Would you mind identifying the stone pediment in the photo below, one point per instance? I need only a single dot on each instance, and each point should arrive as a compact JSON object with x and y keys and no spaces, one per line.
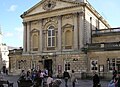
{"x":49,"y":5}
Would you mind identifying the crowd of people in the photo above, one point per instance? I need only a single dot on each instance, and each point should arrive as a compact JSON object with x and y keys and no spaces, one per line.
{"x":38,"y":78}
{"x":42,"y":78}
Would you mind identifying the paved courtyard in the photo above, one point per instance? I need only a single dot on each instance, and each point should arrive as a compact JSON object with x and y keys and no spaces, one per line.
{"x":80,"y":83}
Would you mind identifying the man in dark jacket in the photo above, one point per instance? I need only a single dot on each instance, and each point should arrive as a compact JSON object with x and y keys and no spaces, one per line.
{"x":96,"y":80}
{"x":66,"y":76}
{"x":114,"y":73}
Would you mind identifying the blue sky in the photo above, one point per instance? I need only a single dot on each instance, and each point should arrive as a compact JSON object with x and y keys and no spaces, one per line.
{"x":11,"y":23}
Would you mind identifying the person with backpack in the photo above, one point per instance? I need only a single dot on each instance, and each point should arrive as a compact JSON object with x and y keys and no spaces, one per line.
{"x":66,"y":76}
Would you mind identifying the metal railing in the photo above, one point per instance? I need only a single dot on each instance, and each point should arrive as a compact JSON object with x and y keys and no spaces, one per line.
{"x":104,"y":46}
{"x":105,"y":31}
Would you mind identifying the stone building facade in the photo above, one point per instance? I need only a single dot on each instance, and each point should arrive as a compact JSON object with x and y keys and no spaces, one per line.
{"x":62,"y":34}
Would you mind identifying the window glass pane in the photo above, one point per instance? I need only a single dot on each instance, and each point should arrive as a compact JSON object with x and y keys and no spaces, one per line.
{"x":49,"y":41}
{"x":53,"y":41}
{"x":65,"y":68}
{"x":49,"y":32}
{"x":68,"y":68}
{"x":53,"y":32}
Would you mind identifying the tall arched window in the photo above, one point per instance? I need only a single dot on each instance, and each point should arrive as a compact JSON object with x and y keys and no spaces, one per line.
{"x":35,"y":42}
{"x":51,"y":36}
{"x":68,"y":38}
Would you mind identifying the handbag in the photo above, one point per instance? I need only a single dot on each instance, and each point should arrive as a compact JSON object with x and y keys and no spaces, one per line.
{"x":99,"y":85}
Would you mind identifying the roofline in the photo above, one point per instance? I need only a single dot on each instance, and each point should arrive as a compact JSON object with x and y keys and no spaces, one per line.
{"x":87,"y":4}
{"x":90,"y":7}
{"x":26,"y":12}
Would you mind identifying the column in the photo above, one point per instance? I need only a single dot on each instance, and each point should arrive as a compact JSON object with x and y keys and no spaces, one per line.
{"x":41,"y":36}
{"x":81,"y":30}
{"x":28,"y":37}
{"x":24,"y":37}
{"x":75,"y":32}
{"x":59,"y":33}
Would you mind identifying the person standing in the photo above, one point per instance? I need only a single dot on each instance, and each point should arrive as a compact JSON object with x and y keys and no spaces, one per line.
{"x":73,"y":79}
{"x":49,"y":80}
{"x":117,"y":80}
{"x":96,"y":80}
{"x":46,"y":72}
{"x":114,"y":73}
{"x":66,"y":76}
{"x":23,"y":73}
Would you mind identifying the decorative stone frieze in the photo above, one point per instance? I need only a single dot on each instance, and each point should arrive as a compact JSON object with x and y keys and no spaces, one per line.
{"x":69,"y":16}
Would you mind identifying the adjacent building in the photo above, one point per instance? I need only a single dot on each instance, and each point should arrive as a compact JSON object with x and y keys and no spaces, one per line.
{"x":65,"y":35}
{"x":4,"y":59}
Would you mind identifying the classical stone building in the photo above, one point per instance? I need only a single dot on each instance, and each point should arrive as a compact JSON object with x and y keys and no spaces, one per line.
{"x":64,"y":34}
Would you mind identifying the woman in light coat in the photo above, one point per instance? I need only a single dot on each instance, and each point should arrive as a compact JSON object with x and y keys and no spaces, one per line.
{"x":73,"y":79}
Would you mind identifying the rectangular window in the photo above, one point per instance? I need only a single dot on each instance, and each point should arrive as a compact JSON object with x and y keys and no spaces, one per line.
{"x":67,"y":66}
{"x":19,"y":65}
{"x":114,"y":63}
{"x":111,"y":64}
{"x":97,"y":24}
{"x":94,"y":65}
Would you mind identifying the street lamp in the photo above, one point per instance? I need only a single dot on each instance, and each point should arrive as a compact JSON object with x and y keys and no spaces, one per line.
{"x":32,"y":64}
{"x":108,"y":63}
{"x":43,"y":60}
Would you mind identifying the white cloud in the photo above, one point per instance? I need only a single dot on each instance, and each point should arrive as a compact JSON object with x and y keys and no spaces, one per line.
{"x":19,"y":29}
{"x":19,"y":32}
{"x":8,"y":34}
{"x":12,"y":8}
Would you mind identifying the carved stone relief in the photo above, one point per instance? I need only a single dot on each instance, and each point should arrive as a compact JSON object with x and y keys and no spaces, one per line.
{"x":50,"y":21}
{"x":70,"y":16}
{"x":49,"y":4}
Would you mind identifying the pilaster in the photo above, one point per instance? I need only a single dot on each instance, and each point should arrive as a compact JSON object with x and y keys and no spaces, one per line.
{"x":59,"y":33}
{"x":41,"y":36}
{"x":24,"y":37}
{"x":28,"y":36}
{"x":75,"y":31}
{"x":81,"y":30}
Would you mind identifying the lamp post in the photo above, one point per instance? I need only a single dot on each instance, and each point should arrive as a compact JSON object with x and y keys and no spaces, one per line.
{"x":43,"y":60}
{"x":32,"y":64}
{"x":108,"y":63}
